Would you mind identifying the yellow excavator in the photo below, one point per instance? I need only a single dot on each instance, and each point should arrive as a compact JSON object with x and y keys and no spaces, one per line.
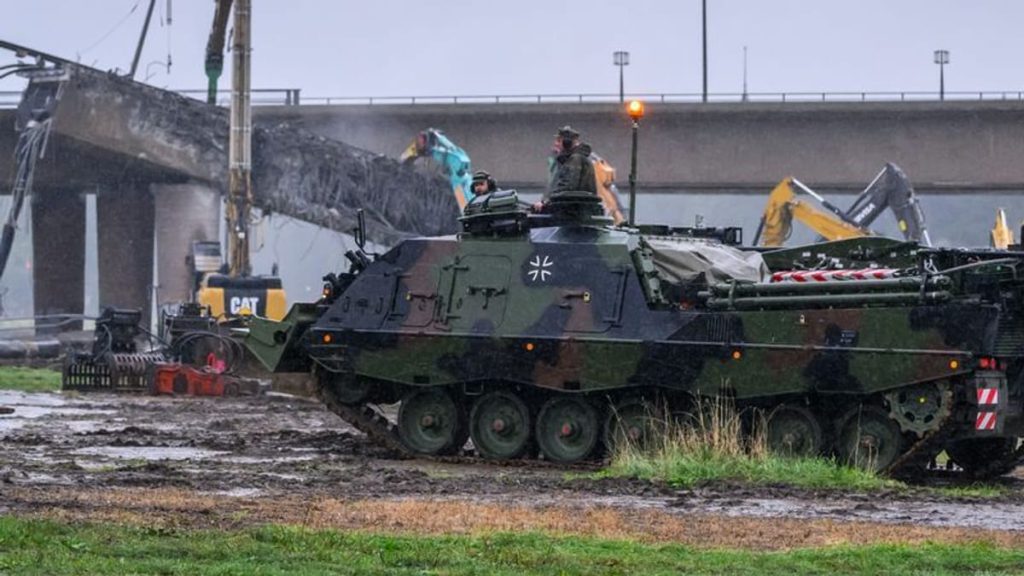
{"x":236,"y":292}
{"x":606,"y":188}
{"x":1001,"y":237}
{"x":890,"y":190}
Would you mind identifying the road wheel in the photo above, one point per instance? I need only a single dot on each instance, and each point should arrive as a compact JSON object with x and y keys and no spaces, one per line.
{"x":500,"y":425}
{"x":429,"y":422}
{"x":794,"y":431}
{"x":869,"y":439}
{"x":567,"y":429}
{"x":633,"y":422}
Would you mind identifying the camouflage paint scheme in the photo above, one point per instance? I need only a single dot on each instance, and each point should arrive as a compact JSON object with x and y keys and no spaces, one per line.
{"x":446,"y":311}
{"x":577,"y":307}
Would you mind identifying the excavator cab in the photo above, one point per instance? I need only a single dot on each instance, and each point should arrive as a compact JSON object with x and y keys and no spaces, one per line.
{"x":226,"y":297}
{"x":432,"y":143}
{"x":231,"y":297}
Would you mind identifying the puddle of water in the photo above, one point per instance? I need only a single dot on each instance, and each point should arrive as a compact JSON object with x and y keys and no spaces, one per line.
{"x":35,"y":478}
{"x":266,"y":459}
{"x":82,"y":426}
{"x":15,"y":398}
{"x":149,"y":452}
{"x":8,"y":424}
{"x":30,"y":411}
{"x":25,"y":413}
{"x":240,"y":492}
{"x":283,"y":476}
{"x":996,"y":516}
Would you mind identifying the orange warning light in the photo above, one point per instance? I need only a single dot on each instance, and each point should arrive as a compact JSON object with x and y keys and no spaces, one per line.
{"x":736,"y":354}
{"x":954,"y":364}
{"x":528,"y":346}
{"x":327,"y":338}
{"x":635,"y":109}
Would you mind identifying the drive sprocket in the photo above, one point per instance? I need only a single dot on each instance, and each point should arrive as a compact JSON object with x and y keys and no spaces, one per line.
{"x":921,"y":408}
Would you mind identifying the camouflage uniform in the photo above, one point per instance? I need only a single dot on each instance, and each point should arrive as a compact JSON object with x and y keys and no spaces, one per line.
{"x":575,"y":171}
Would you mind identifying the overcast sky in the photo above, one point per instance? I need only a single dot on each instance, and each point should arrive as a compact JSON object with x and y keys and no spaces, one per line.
{"x":424,"y":47}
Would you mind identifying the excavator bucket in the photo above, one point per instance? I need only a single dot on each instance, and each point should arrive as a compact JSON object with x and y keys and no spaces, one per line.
{"x":606,"y":189}
{"x":1001,"y":236}
{"x":892,"y":190}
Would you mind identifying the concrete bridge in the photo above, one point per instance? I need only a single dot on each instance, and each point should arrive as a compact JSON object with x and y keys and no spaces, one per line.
{"x":747,"y":146}
{"x":156,"y":163}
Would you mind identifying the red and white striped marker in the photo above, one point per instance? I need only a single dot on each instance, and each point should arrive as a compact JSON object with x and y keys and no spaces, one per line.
{"x":985,"y":421}
{"x":834,"y":275}
{"x":988,"y":396}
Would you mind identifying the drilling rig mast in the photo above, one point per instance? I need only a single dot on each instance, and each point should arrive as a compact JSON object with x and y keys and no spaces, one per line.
{"x":239,"y":204}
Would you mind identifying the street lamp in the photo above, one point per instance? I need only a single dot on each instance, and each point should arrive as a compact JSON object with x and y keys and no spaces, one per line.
{"x":942,"y":58}
{"x":621,"y":59}
{"x":744,"y":73}
{"x":636,"y":112}
{"x":704,"y":46}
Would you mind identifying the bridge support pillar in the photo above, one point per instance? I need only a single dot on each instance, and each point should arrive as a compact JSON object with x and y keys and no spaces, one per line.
{"x":58,"y":257}
{"x":124,"y":234}
{"x":188,"y":212}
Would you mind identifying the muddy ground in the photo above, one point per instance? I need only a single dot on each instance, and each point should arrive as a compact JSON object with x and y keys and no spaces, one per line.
{"x":222,"y":462}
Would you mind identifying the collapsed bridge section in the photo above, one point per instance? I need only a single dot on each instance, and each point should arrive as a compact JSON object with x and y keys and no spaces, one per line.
{"x":157,"y":161}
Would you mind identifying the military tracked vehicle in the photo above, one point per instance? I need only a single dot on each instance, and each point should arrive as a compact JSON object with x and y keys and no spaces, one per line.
{"x":560,"y":333}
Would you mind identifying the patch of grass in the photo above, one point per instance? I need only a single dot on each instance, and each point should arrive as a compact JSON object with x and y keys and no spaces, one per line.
{"x":48,"y":547}
{"x":29,"y":379}
{"x":712,"y":446}
{"x":685,"y":468}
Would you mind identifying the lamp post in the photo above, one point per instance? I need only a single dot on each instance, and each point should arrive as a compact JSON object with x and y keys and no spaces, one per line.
{"x":942,"y":58}
{"x":744,"y":73}
{"x":704,"y":44}
{"x":621,"y":59}
{"x":636,"y":112}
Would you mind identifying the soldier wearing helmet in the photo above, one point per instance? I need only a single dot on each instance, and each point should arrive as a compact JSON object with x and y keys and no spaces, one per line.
{"x":483,"y":183}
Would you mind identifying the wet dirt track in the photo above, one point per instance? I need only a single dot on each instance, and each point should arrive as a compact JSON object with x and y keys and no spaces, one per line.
{"x":235,"y":462}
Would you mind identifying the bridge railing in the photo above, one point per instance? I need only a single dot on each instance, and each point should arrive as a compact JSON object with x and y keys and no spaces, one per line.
{"x":727,"y":97}
{"x":294,"y":97}
{"x":260,"y":97}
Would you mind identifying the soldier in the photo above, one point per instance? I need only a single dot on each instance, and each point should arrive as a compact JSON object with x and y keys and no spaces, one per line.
{"x":483,"y":183}
{"x":572,"y":168}
{"x":575,"y":171}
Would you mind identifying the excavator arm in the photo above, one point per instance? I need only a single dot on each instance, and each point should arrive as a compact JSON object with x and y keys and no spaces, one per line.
{"x":1001,"y":236}
{"x":215,"y":48}
{"x":432,"y":143}
{"x":783,"y":206}
{"x":891,"y":189}
{"x":606,"y":189}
